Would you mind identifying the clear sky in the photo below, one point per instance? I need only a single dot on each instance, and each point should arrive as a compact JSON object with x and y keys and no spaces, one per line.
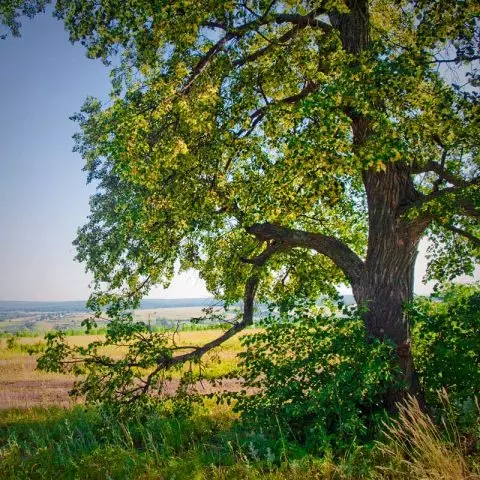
{"x":43,"y":194}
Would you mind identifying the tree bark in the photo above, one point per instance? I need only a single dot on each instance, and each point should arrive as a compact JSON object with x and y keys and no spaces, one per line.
{"x":386,"y":283}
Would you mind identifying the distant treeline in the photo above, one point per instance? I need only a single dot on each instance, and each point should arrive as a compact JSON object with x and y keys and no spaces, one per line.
{"x":15,"y":307}
{"x":79,"y":306}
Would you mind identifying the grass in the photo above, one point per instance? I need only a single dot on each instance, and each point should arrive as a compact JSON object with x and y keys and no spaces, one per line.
{"x":79,"y":443}
{"x":45,"y":441}
{"x":416,"y":447}
{"x":21,"y":385}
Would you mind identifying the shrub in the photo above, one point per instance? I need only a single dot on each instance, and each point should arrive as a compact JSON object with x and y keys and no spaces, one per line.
{"x":315,"y":377}
{"x":446,"y":343}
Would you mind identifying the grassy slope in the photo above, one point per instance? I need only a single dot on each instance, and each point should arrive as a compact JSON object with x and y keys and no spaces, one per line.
{"x":77,"y":443}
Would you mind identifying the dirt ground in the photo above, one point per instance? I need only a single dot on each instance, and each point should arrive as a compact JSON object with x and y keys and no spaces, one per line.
{"x":22,"y":386}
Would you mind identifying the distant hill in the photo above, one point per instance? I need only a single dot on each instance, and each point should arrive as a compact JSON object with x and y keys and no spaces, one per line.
{"x":79,"y":306}
{"x":39,"y":317}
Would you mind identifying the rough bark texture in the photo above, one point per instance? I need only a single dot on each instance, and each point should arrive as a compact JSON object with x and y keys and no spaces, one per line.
{"x":386,"y":282}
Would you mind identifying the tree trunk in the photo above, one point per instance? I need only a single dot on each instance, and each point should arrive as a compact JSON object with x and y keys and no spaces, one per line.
{"x":386,"y":283}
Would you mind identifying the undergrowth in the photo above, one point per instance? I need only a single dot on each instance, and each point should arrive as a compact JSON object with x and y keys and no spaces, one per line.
{"x":212,"y":444}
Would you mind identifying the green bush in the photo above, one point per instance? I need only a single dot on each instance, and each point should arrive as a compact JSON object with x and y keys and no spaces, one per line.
{"x":446,"y":342}
{"x":315,"y":377}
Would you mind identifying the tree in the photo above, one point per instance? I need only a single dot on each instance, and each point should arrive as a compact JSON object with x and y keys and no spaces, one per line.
{"x":279,"y":148}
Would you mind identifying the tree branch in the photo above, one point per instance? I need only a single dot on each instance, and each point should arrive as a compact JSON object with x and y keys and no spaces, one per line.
{"x":475,"y":240}
{"x":262,"y":51}
{"x":259,"y":114}
{"x":259,"y":260}
{"x":467,"y":205}
{"x":435,"y":167}
{"x":345,"y":258}
{"x":302,"y":21}
{"x":248,"y":308}
{"x":308,"y":20}
{"x":204,"y":61}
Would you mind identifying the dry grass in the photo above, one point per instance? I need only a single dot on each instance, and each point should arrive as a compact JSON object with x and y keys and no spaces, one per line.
{"x":22,"y":386}
{"x":415,"y":448}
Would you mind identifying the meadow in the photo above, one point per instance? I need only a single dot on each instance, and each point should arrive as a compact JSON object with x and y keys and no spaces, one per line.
{"x":45,"y":434}
{"x":37,"y":321}
{"x":23,"y":386}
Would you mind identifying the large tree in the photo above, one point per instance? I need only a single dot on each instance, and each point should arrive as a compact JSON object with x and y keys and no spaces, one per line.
{"x":280,"y":148}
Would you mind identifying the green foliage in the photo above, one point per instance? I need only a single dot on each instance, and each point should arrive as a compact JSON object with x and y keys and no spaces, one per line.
{"x":12,"y":10}
{"x":315,"y":376}
{"x":90,"y":444}
{"x":120,"y":382}
{"x":446,"y":342}
{"x":326,"y":121}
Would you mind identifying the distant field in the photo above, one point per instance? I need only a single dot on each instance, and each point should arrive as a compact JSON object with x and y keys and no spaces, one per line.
{"x":21,"y":385}
{"x":41,"y":321}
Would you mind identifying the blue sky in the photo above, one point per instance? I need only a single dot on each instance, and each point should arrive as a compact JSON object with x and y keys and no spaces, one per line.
{"x":43,"y":195}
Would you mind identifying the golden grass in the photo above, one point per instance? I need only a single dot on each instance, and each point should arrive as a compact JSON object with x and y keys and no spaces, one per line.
{"x":22,"y":386}
{"x":415,"y":448}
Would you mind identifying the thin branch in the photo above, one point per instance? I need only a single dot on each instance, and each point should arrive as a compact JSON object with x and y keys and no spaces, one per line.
{"x":441,"y":172}
{"x":475,"y":240}
{"x":262,"y":51}
{"x":435,"y":167}
{"x":272,"y":248}
{"x":467,"y":205}
{"x":309,"y":20}
{"x":300,"y":21}
{"x":260,"y":113}
{"x":248,"y":308}
{"x":204,"y":61}
{"x":456,"y":59}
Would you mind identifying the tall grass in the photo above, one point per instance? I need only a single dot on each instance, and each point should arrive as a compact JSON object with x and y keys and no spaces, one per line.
{"x":417,"y":448}
{"x":90,"y":444}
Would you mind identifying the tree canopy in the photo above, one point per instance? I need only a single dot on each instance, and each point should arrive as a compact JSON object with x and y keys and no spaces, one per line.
{"x":279,"y":148}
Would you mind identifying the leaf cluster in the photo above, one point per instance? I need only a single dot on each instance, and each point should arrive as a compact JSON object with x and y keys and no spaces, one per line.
{"x":446,"y":344}
{"x":317,"y":376}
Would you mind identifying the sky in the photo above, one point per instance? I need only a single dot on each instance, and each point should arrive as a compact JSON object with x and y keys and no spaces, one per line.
{"x":44,"y":79}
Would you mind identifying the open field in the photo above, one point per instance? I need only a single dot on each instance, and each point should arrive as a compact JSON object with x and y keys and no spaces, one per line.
{"x":22,"y":386}
{"x":38,"y":322}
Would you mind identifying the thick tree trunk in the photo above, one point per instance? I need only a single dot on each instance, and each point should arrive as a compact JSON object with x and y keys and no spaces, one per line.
{"x":384,"y":292}
{"x":386,"y":283}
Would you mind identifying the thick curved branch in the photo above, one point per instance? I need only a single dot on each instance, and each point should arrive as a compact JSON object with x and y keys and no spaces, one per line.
{"x":345,"y":258}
